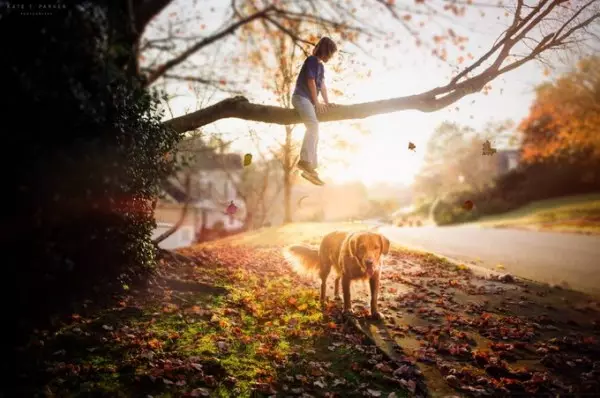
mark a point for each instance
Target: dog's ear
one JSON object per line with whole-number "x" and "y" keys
{"x": 352, "y": 245}
{"x": 385, "y": 244}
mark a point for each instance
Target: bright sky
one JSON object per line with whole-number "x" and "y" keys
{"x": 383, "y": 155}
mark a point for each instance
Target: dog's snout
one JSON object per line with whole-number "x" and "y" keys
{"x": 369, "y": 262}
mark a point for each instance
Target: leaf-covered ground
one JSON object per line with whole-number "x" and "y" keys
{"x": 238, "y": 322}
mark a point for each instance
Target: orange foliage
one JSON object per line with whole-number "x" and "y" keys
{"x": 565, "y": 116}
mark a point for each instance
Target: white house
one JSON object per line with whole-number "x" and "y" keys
{"x": 212, "y": 188}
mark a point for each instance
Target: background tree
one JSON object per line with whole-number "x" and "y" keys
{"x": 454, "y": 161}
{"x": 564, "y": 120}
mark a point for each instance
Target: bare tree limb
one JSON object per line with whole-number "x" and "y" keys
{"x": 161, "y": 70}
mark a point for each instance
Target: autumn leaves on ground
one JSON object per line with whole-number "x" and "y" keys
{"x": 237, "y": 322}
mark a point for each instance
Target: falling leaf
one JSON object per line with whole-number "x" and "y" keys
{"x": 247, "y": 159}
{"x": 546, "y": 72}
{"x": 411, "y": 146}
{"x": 222, "y": 82}
{"x": 487, "y": 149}
{"x": 468, "y": 205}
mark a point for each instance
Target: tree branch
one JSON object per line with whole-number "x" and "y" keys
{"x": 161, "y": 70}
{"x": 432, "y": 100}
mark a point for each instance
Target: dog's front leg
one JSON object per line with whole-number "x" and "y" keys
{"x": 346, "y": 293}
{"x": 374, "y": 284}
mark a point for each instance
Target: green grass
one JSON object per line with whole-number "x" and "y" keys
{"x": 580, "y": 213}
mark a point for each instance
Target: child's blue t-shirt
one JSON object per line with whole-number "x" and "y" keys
{"x": 311, "y": 69}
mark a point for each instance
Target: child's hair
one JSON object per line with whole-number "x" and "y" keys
{"x": 325, "y": 47}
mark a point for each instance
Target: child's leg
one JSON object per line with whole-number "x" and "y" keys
{"x": 305, "y": 108}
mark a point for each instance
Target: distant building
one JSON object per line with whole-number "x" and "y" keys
{"x": 507, "y": 160}
{"x": 212, "y": 189}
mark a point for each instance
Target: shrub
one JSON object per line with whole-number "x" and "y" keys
{"x": 85, "y": 186}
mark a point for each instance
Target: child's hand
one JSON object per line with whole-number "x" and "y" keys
{"x": 320, "y": 108}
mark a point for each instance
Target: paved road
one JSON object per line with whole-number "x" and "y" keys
{"x": 543, "y": 256}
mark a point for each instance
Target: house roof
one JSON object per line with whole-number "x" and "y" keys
{"x": 213, "y": 161}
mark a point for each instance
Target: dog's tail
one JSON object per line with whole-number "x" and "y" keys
{"x": 304, "y": 260}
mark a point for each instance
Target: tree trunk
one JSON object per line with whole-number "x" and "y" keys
{"x": 287, "y": 175}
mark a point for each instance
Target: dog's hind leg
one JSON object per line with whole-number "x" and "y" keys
{"x": 324, "y": 270}
{"x": 324, "y": 273}
{"x": 336, "y": 285}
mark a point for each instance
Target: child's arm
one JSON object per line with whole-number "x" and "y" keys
{"x": 324, "y": 93}
{"x": 312, "y": 86}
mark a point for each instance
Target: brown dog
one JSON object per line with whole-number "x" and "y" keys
{"x": 353, "y": 256}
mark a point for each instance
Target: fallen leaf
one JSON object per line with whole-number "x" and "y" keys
{"x": 200, "y": 392}
{"x": 411, "y": 146}
{"x": 247, "y": 159}
{"x": 154, "y": 343}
